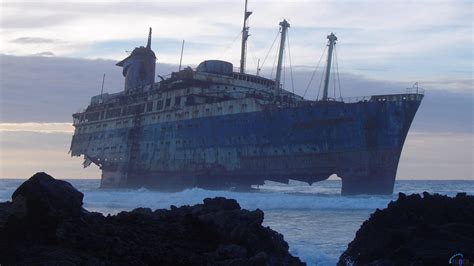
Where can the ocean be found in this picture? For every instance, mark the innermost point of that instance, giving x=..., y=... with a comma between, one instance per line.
x=316, y=221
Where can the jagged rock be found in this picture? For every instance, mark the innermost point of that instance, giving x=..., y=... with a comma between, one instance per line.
x=44, y=195
x=415, y=230
x=46, y=223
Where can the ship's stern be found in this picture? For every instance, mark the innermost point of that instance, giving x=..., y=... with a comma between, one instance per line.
x=113, y=178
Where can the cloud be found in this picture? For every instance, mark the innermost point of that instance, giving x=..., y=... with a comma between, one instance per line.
x=34, y=40
x=44, y=54
x=37, y=127
x=24, y=153
x=437, y=156
x=401, y=40
x=51, y=89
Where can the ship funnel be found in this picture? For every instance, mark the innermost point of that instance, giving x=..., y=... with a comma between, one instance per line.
x=139, y=67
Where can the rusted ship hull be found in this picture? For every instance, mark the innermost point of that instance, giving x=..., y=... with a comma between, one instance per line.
x=361, y=142
x=214, y=127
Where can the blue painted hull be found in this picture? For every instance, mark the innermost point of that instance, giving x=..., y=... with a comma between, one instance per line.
x=360, y=142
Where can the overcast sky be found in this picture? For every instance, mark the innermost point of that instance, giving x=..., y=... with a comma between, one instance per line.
x=426, y=41
x=53, y=55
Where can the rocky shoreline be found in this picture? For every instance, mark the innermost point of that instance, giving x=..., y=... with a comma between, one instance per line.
x=416, y=230
x=45, y=224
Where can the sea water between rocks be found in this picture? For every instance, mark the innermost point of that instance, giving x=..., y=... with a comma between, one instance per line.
x=316, y=221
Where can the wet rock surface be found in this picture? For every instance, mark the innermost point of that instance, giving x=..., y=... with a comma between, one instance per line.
x=45, y=224
x=415, y=230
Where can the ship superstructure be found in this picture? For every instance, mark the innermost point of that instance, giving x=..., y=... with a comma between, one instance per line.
x=214, y=127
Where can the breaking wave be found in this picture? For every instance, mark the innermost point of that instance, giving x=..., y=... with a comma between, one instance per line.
x=111, y=201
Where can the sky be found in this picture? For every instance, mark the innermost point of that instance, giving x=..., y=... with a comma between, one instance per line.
x=53, y=55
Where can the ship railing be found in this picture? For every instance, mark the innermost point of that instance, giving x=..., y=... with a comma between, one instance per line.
x=415, y=90
x=356, y=99
x=81, y=110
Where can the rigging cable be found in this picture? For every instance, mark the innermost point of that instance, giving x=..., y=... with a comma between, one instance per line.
x=269, y=50
x=314, y=72
x=284, y=73
x=291, y=67
x=337, y=71
x=274, y=60
x=223, y=54
x=334, y=76
x=320, y=83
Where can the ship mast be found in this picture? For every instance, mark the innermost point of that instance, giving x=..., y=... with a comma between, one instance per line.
x=332, y=41
x=148, y=44
x=284, y=25
x=245, y=36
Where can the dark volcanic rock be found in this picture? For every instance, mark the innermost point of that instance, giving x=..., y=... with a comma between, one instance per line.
x=46, y=224
x=415, y=230
x=44, y=195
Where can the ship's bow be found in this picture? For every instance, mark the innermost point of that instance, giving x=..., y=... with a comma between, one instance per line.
x=385, y=121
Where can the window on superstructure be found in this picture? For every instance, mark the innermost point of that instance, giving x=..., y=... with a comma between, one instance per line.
x=168, y=102
x=159, y=105
x=92, y=116
x=149, y=106
x=140, y=108
x=177, y=100
x=113, y=113
x=190, y=100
